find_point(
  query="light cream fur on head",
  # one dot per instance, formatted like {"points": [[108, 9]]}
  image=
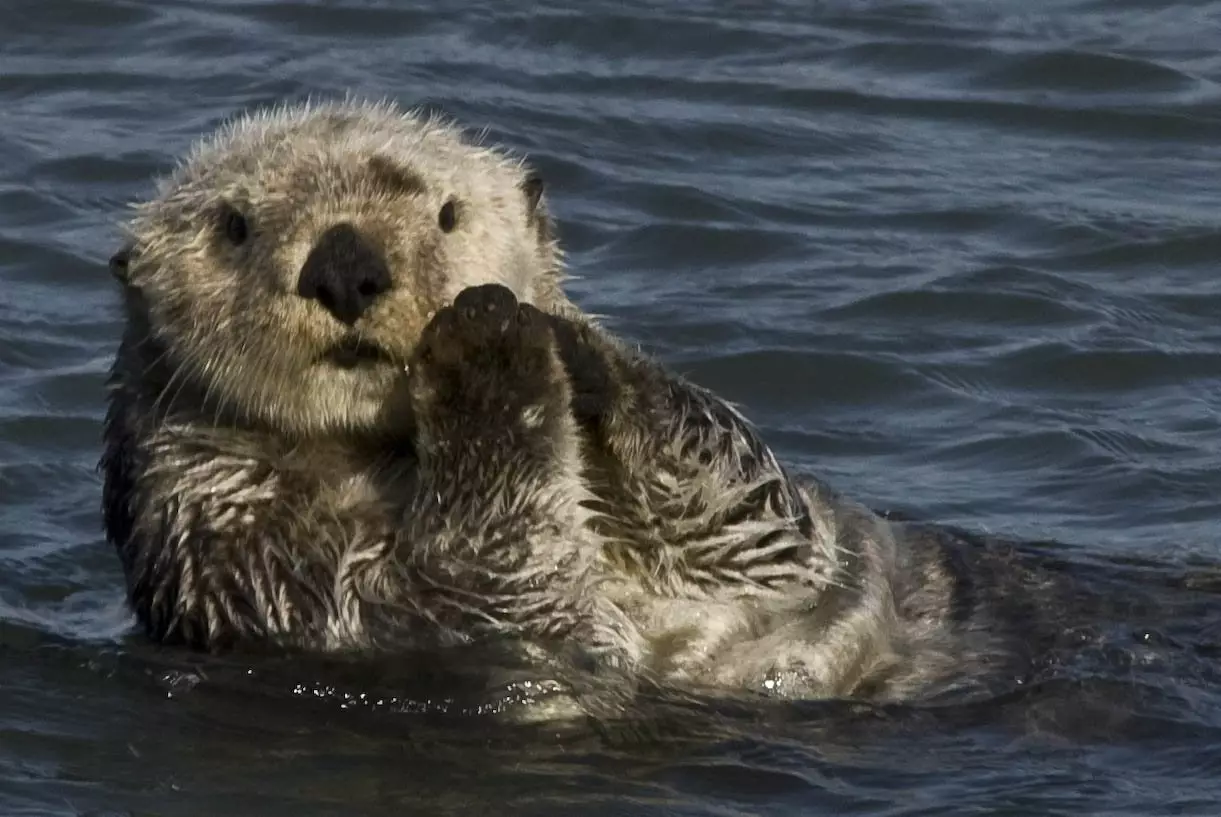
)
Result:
{"points": [[227, 315]]}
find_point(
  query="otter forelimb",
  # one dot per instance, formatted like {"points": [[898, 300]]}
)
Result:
{"points": [[679, 470], [495, 540]]}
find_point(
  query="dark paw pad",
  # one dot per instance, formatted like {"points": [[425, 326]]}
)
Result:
{"points": [[487, 346]]}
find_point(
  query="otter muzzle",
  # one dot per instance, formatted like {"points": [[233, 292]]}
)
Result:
{"points": [[344, 274]]}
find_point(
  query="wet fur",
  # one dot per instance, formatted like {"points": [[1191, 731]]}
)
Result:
{"points": [[509, 471]]}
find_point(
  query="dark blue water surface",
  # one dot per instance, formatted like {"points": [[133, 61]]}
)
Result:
{"points": [[959, 258]]}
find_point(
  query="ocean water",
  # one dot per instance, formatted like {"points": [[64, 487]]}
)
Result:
{"points": [[958, 258]]}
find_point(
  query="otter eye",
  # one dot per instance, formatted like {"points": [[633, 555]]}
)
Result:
{"points": [[448, 217], [236, 228]]}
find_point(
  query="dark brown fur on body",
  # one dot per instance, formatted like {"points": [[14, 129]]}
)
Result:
{"points": [[428, 459]]}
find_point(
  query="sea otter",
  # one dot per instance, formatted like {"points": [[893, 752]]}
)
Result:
{"points": [[354, 411]]}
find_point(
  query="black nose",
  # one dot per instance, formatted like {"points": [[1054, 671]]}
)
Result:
{"points": [[343, 273]]}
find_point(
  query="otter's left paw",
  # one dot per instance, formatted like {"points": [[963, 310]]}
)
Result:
{"points": [[590, 363], [489, 358]]}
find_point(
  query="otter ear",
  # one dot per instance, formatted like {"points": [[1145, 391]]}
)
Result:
{"points": [[532, 187], [121, 261]]}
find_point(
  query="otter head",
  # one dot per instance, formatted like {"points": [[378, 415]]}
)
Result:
{"points": [[286, 269]]}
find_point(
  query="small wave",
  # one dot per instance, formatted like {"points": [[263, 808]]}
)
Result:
{"points": [[778, 378], [1177, 249], [1066, 368], [1083, 72], [963, 311]]}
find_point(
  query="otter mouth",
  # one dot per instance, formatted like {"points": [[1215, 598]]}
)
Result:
{"points": [[352, 353]]}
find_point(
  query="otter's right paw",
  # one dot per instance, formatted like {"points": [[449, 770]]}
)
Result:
{"points": [[488, 359]]}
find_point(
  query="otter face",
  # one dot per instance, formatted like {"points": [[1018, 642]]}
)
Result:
{"points": [[289, 265]]}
